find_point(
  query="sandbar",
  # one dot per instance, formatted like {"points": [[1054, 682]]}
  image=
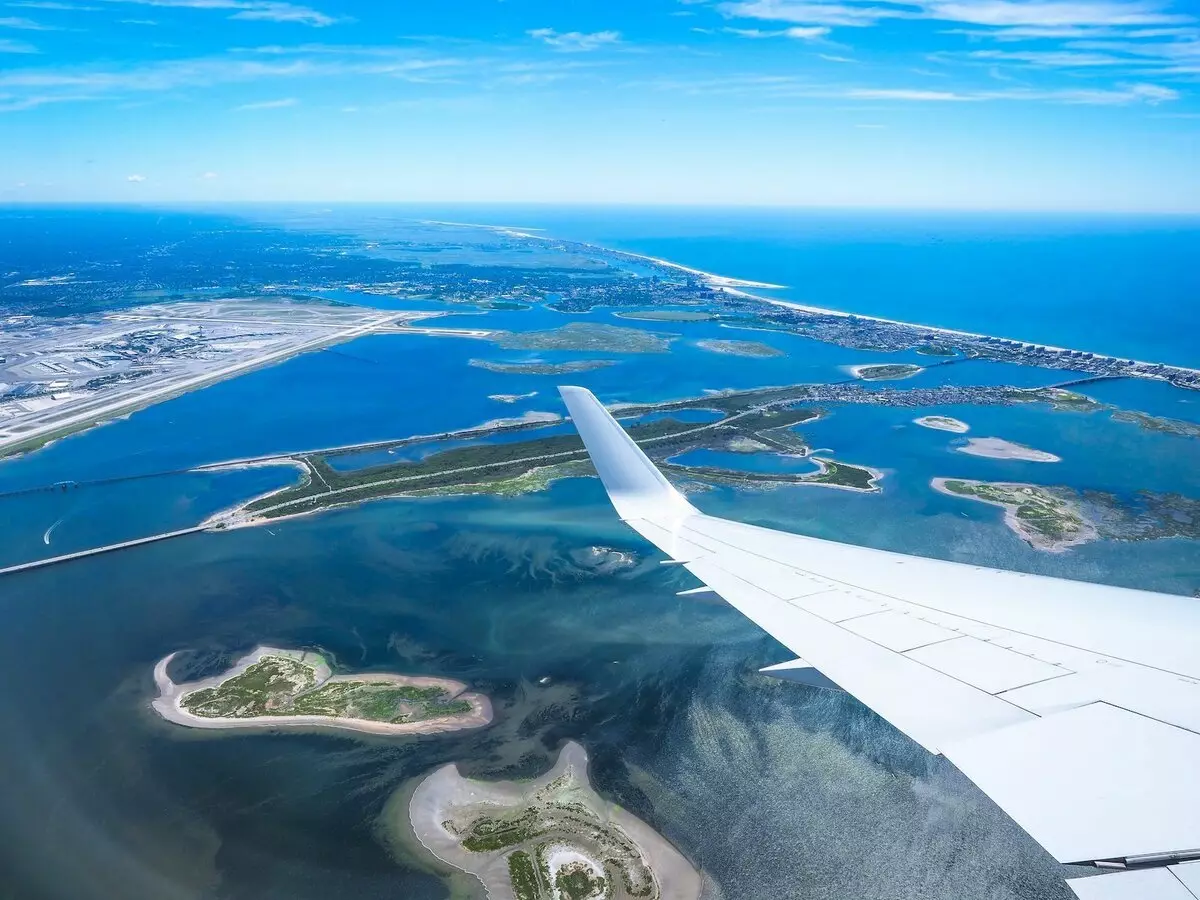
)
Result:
{"points": [[998, 448]]}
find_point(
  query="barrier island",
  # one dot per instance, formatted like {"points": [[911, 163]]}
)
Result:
{"points": [[272, 688], [553, 838]]}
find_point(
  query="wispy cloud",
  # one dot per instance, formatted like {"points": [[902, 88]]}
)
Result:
{"points": [[1067, 59], [23, 24], [209, 176], [575, 41], [803, 33], [998, 13], [802, 12], [135, 179], [1053, 13], [908, 95], [263, 10], [9, 46], [775, 87], [268, 104]]}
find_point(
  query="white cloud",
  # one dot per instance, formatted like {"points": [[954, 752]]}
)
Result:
{"points": [[268, 104], [7, 46], [264, 10], [778, 88], [803, 12], [575, 40], [209, 176], [803, 33], [1043, 14], [1052, 13], [908, 94], [1122, 95], [23, 24], [837, 59], [1050, 58], [135, 179]]}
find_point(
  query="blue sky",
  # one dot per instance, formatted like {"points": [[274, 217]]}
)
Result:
{"points": [[1059, 104]]}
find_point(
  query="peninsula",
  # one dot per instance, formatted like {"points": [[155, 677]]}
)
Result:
{"points": [[553, 838], [272, 688]]}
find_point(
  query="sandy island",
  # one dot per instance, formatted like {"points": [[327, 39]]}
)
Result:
{"points": [[553, 825], [739, 348], [998, 448], [169, 703], [1041, 517], [943, 423]]}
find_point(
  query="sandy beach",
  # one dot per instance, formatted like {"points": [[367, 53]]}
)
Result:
{"points": [[446, 795], [169, 702]]}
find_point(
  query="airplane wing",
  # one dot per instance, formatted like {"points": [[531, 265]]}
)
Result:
{"points": [[1074, 706]]}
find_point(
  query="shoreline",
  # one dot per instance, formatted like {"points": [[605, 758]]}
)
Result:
{"points": [[730, 286], [168, 703]]}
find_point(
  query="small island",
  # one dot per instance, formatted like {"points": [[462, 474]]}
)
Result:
{"points": [[739, 348], [885, 372], [1042, 517], [586, 336], [512, 398], [998, 448], [943, 423], [272, 688], [541, 367], [553, 838], [667, 315]]}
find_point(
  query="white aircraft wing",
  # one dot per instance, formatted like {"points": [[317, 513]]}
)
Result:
{"points": [[1074, 706]]}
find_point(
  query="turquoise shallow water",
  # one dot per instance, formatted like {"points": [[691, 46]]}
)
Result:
{"points": [[817, 797]]}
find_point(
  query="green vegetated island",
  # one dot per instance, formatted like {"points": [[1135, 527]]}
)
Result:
{"points": [[761, 420], [274, 688], [885, 371], [552, 838], [1056, 518], [943, 423], [540, 366], [768, 416], [1044, 518]]}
